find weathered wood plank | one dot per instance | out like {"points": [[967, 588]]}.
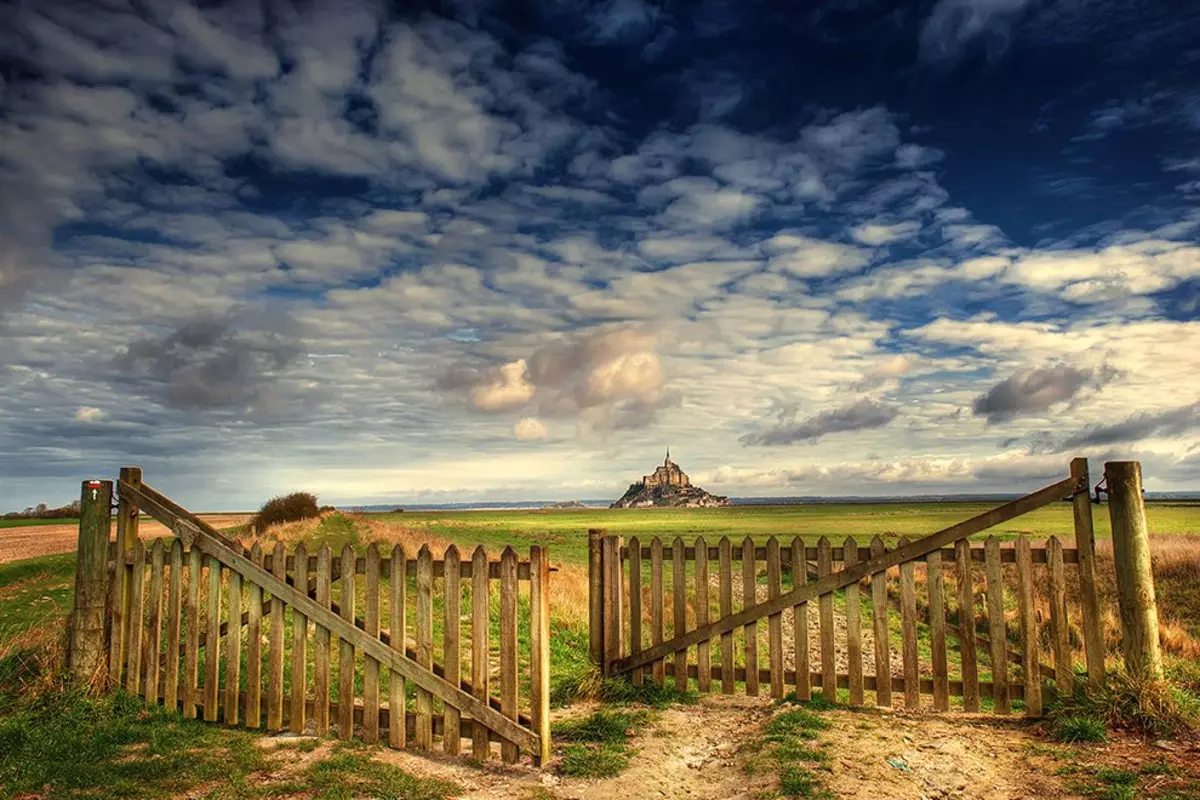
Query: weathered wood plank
{"points": [[725, 568], [854, 653], [800, 620], [508, 646], [424, 633], [679, 606], [299, 688], [775, 621], [704, 649], [1030, 662], [233, 650], [966, 626], [750, 628], [1089, 599], [174, 596], [997, 627], [191, 642], [480, 604], [937, 630], [276, 646], [254, 610], [397, 627], [656, 605], [539, 644], [154, 632], [322, 644], [136, 621], [346, 649], [370, 719], [1059, 625], [842, 578], [825, 620], [635, 604], [908, 631], [127, 536], [212, 650], [879, 617], [613, 601], [451, 658]]}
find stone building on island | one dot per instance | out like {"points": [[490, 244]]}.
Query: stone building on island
{"points": [[668, 486]]}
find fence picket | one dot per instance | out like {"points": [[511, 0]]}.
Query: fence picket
{"points": [[679, 606], [997, 629], [704, 649], [656, 606], [298, 695], [1031, 672], [254, 609], [397, 630], [937, 630], [879, 618], [825, 620], [154, 633], [966, 625], [539, 649], [135, 621], [725, 568], [750, 630], [452, 725], [635, 605], [480, 604], [908, 629], [276, 645], [191, 642], [212, 646], [1059, 628], [424, 633], [174, 595], [346, 650], [800, 622], [322, 645], [853, 626], [775, 621], [508, 646], [370, 723], [233, 647]]}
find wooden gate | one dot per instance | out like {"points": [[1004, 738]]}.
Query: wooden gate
{"points": [[205, 589], [701, 630]]}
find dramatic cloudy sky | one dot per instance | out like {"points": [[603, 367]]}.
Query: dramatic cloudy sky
{"points": [[474, 251]]}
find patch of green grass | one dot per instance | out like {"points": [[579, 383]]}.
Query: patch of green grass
{"points": [[788, 747], [350, 773], [792, 722], [595, 760], [34, 591], [800, 782], [621, 690], [610, 727], [1159, 766], [1076, 728], [32, 522]]}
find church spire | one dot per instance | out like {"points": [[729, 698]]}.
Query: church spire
{"points": [[668, 459]]}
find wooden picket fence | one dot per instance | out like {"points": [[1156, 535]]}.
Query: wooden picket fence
{"points": [[675, 609], [252, 638]]}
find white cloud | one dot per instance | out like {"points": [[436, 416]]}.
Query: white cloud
{"points": [[805, 257], [88, 414], [530, 429], [875, 234]]}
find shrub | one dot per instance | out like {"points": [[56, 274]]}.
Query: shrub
{"points": [[285, 508], [1143, 705]]}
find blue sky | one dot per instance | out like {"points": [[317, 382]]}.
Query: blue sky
{"points": [[476, 251]]}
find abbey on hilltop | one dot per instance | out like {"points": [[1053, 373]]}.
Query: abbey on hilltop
{"points": [[668, 486]]}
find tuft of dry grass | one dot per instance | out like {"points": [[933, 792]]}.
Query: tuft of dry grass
{"points": [[1176, 564]]}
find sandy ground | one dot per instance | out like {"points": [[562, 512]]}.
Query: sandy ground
{"points": [[45, 540], [700, 752]]}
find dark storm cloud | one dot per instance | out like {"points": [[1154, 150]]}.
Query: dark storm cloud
{"points": [[1173, 422], [863, 415], [1028, 391], [206, 364]]}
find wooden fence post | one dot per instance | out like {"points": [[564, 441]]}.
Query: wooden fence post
{"points": [[1131, 556], [596, 596], [127, 535], [612, 613], [1085, 544], [88, 653]]}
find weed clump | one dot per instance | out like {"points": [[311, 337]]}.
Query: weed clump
{"points": [[285, 508], [1152, 707], [601, 749], [1076, 728], [648, 694]]}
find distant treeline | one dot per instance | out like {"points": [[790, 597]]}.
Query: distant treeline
{"points": [[42, 511]]}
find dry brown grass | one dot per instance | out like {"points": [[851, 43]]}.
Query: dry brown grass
{"points": [[34, 660]]}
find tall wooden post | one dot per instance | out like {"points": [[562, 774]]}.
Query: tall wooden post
{"points": [[1135, 580], [612, 613], [596, 596], [127, 536], [1085, 544], [87, 655]]}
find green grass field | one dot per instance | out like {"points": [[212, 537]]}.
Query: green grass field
{"points": [[565, 531], [27, 523]]}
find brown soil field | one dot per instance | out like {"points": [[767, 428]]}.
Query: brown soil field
{"points": [[44, 540]]}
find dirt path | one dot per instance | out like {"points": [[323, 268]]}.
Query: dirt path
{"points": [[699, 753], [44, 540]]}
